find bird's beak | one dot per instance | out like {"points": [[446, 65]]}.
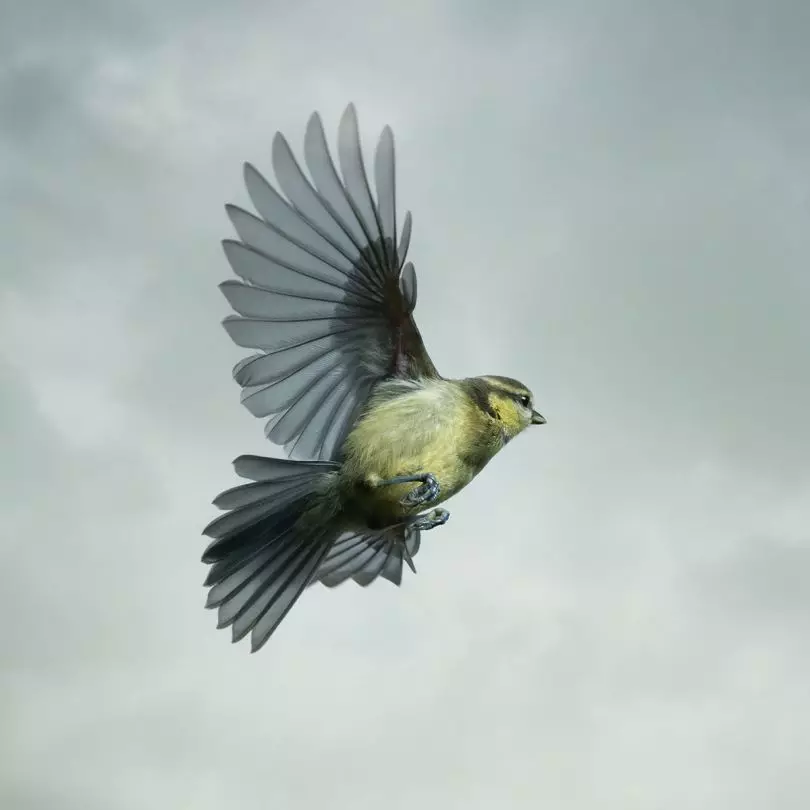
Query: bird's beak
{"points": [[538, 419]]}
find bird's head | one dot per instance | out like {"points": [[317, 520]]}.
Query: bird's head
{"points": [[509, 402]]}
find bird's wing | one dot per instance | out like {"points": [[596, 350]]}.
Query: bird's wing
{"points": [[364, 557], [324, 293]]}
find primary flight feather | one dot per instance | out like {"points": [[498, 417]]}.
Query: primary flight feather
{"points": [[374, 432]]}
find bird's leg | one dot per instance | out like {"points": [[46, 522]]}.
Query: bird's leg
{"points": [[430, 520], [427, 491]]}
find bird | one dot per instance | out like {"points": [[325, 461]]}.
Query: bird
{"points": [[375, 438]]}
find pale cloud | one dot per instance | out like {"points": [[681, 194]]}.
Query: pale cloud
{"points": [[610, 202]]}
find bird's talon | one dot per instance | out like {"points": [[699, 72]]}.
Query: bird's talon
{"points": [[426, 492], [430, 520]]}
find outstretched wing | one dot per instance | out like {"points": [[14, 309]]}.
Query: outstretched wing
{"points": [[324, 293]]}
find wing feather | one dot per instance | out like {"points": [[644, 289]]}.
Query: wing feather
{"points": [[323, 291]]}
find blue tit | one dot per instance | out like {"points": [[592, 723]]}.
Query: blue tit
{"points": [[377, 439]]}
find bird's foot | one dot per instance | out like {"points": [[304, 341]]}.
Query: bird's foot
{"points": [[430, 520], [427, 491]]}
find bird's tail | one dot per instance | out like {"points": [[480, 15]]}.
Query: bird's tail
{"points": [[270, 543]]}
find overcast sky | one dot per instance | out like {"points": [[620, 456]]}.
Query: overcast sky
{"points": [[610, 203]]}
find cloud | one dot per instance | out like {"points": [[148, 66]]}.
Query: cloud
{"points": [[609, 203]]}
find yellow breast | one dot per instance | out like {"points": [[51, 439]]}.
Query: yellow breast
{"points": [[431, 428]]}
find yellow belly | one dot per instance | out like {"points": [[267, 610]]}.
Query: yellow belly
{"points": [[433, 432]]}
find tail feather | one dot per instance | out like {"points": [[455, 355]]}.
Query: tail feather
{"points": [[276, 597], [252, 582], [261, 558], [247, 494], [373, 568], [345, 548], [261, 468], [234, 561], [352, 560], [264, 520], [392, 570], [367, 557], [242, 568]]}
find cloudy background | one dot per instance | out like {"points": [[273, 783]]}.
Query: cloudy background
{"points": [[611, 202]]}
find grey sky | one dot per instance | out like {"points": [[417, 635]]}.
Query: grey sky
{"points": [[610, 202]]}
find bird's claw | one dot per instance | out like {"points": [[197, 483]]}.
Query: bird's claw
{"points": [[426, 492], [430, 520]]}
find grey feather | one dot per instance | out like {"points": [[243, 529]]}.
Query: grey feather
{"points": [[345, 417], [352, 556], [385, 181], [269, 612], [284, 393], [407, 286], [413, 541], [367, 557], [323, 261], [287, 222], [263, 555], [259, 577], [246, 494], [327, 182], [371, 570], [260, 269], [306, 199], [266, 304], [339, 574], [259, 369], [231, 582], [405, 238], [392, 570], [316, 298], [356, 181], [274, 336], [262, 468], [242, 517], [310, 441], [300, 412]]}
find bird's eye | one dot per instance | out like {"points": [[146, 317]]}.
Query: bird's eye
{"points": [[524, 401]]}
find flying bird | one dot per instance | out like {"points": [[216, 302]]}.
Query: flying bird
{"points": [[377, 438]]}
